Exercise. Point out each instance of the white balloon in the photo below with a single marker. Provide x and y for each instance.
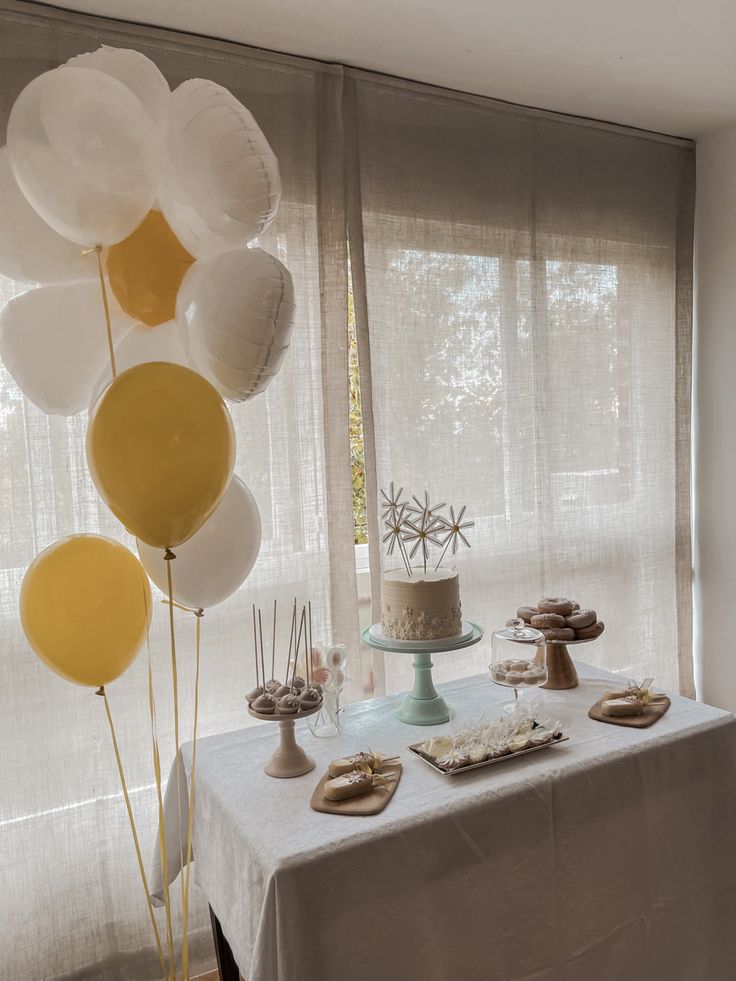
(30, 251)
(218, 558)
(133, 69)
(221, 186)
(139, 346)
(53, 341)
(236, 313)
(85, 153)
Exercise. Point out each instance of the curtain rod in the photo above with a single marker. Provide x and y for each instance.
(35, 9)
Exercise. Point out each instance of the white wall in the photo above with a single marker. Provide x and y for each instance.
(714, 424)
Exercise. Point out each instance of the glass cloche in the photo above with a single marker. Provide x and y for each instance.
(518, 657)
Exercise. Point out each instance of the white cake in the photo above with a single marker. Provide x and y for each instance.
(425, 606)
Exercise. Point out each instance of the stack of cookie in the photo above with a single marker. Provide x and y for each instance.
(562, 620)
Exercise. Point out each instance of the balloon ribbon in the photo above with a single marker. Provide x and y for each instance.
(185, 914)
(101, 691)
(98, 253)
(161, 827)
(169, 557)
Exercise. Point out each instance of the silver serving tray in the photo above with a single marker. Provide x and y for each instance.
(474, 766)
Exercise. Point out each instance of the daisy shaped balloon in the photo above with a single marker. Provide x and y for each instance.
(110, 179)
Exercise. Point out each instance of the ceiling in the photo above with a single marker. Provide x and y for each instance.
(665, 65)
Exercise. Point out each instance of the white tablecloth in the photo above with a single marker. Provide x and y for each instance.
(610, 857)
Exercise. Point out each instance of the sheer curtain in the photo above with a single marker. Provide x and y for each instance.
(72, 903)
(522, 300)
(523, 288)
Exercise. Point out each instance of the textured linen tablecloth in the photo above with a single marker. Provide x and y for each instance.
(609, 857)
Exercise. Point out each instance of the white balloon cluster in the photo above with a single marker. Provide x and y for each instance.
(245, 294)
(96, 145)
(85, 153)
(223, 186)
(102, 163)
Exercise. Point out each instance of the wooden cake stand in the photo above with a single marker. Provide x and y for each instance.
(561, 672)
(423, 706)
(289, 760)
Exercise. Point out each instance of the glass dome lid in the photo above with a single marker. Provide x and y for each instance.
(521, 632)
(518, 657)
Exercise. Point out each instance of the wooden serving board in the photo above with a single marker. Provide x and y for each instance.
(363, 806)
(652, 713)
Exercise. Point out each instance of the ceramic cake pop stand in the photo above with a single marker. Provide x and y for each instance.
(289, 760)
(422, 706)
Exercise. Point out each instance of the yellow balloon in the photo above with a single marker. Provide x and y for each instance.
(146, 269)
(85, 606)
(161, 450)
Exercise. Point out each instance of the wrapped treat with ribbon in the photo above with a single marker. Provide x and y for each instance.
(632, 701)
(358, 782)
(370, 761)
(635, 705)
(354, 786)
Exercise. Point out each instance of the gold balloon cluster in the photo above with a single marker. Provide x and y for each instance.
(160, 449)
(159, 201)
(170, 212)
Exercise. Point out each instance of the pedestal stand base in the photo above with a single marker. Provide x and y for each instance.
(561, 673)
(423, 706)
(289, 760)
(423, 711)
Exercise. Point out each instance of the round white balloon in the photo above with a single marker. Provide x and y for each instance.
(30, 251)
(236, 313)
(53, 341)
(218, 558)
(141, 345)
(85, 153)
(133, 69)
(221, 186)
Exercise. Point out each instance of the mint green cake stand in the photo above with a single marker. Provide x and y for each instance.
(423, 706)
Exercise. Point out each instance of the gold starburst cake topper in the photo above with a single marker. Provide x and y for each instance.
(419, 523)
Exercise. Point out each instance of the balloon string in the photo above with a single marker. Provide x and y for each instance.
(101, 691)
(179, 606)
(161, 828)
(185, 916)
(98, 253)
(169, 557)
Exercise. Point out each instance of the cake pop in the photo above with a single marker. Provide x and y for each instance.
(265, 704)
(309, 697)
(288, 704)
